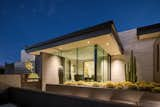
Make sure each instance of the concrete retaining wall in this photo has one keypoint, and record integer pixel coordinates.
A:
(138, 98)
(13, 80)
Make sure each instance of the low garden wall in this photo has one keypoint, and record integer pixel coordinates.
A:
(18, 80)
(13, 80)
(138, 98)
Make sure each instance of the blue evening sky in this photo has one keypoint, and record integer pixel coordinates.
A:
(24, 22)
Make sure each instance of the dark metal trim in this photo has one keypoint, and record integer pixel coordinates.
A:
(109, 66)
(148, 29)
(95, 62)
(158, 57)
(97, 30)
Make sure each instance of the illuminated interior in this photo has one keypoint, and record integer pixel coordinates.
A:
(88, 63)
(88, 59)
(107, 42)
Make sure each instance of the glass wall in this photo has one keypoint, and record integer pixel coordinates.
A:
(86, 63)
(103, 65)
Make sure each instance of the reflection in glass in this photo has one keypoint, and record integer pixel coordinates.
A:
(80, 64)
(103, 65)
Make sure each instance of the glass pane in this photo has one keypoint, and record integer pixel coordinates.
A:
(103, 70)
(86, 62)
(70, 64)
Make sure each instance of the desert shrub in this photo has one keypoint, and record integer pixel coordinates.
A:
(109, 84)
(69, 83)
(156, 84)
(156, 89)
(95, 84)
(145, 86)
(129, 85)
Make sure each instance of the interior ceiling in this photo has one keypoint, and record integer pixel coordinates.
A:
(85, 53)
(107, 42)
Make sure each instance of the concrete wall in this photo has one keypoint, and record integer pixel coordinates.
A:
(118, 68)
(143, 50)
(50, 67)
(11, 80)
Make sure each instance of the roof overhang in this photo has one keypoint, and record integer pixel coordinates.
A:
(148, 32)
(103, 34)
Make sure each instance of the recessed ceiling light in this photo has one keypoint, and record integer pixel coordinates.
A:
(88, 42)
(107, 44)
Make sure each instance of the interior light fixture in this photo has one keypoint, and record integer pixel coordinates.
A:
(88, 42)
(107, 44)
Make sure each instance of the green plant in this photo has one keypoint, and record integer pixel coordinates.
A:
(96, 84)
(131, 71)
(119, 85)
(129, 85)
(156, 89)
(145, 86)
(109, 84)
(141, 85)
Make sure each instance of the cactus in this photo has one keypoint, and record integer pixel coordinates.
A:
(130, 72)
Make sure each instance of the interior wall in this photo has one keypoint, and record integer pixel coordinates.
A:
(50, 68)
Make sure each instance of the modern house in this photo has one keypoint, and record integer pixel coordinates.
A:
(99, 53)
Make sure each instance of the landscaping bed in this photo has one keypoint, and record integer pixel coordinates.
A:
(139, 86)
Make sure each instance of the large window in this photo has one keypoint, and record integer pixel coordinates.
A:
(103, 65)
(89, 63)
(86, 63)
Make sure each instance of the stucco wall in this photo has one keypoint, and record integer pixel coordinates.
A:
(50, 66)
(118, 68)
(13, 80)
(143, 50)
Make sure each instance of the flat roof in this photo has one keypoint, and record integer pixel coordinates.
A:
(147, 31)
(93, 31)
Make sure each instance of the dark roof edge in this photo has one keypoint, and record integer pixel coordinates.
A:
(148, 29)
(116, 36)
(106, 27)
(73, 34)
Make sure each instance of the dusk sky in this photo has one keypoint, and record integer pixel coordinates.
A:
(25, 22)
